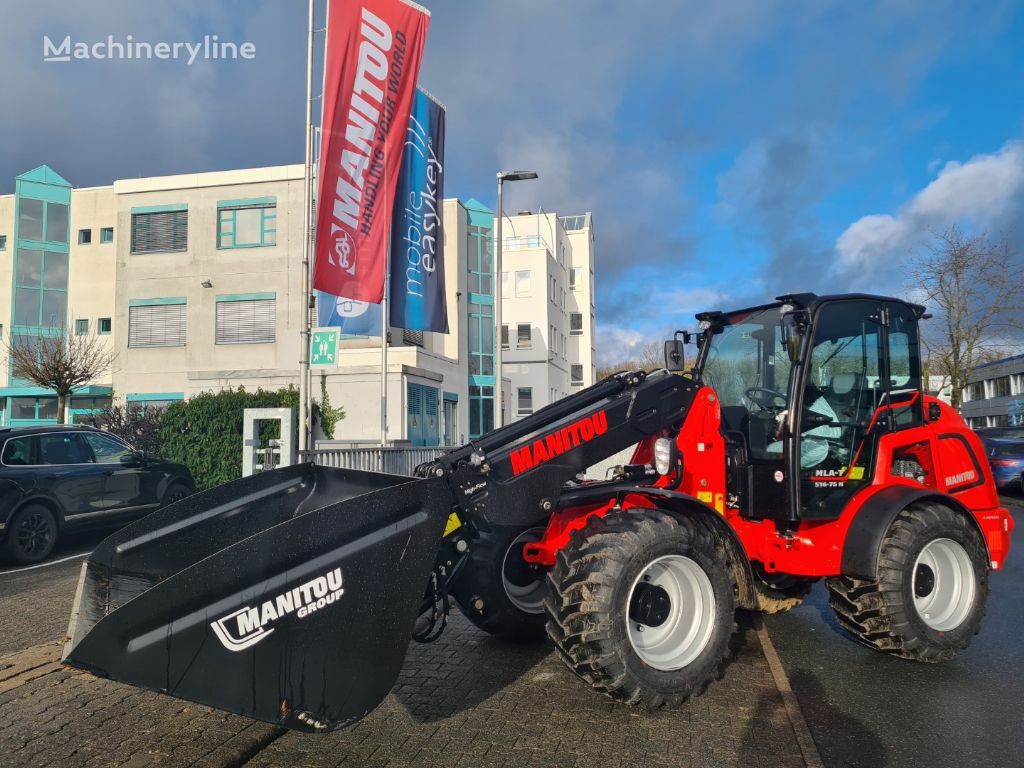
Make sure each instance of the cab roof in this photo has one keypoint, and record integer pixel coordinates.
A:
(811, 301)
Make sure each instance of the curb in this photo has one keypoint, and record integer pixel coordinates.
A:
(809, 750)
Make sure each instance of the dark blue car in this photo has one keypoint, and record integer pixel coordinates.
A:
(57, 478)
(1006, 456)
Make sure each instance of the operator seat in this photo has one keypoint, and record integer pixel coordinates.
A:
(846, 396)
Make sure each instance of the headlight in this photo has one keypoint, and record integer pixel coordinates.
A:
(664, 455)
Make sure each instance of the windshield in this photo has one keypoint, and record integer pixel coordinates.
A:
(746, 354)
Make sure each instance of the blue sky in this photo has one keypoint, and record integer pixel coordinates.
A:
(729, 151)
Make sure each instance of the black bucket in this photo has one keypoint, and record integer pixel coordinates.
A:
(288, 597)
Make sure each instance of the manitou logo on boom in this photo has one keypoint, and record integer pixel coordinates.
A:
(247, 626)
(557, 443)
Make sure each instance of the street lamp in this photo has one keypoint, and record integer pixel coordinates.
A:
(503, 176)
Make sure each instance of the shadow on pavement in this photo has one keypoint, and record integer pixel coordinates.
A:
(859, 747)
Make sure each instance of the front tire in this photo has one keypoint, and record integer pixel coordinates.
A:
(641, 606)
(500, 592)
(929, 598)
(31, 535)
(175, 492)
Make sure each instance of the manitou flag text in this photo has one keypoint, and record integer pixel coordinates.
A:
(372, 61)
(417, 245)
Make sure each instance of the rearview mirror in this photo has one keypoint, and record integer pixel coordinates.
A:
(674, 357)
(791, 336)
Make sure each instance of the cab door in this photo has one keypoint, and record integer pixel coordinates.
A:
(845, 383)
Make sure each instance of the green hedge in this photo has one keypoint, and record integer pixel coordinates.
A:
(205, 432)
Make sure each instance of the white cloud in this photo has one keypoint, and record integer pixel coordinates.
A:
(983, 193)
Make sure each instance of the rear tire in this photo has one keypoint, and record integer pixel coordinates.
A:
(641, 606)
(31, 535)
(499, 592)
(929, 598)
(778, 592)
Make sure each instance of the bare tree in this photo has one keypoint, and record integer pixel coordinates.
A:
(970, 286)
(61, 362)
(650, 357)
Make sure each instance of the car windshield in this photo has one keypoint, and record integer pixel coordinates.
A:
(747, 354)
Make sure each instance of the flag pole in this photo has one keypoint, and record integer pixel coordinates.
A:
(307, 210)
(384, 350)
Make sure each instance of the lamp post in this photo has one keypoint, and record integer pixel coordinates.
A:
(503, 176)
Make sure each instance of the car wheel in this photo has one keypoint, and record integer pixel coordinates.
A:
(31, 535)
(176, 492)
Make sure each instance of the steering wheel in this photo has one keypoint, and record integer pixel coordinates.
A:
(765, 398)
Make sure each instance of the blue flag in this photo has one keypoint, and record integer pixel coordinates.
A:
(417, 243)
(354, 318)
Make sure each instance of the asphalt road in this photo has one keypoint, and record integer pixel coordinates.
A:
(869, 710)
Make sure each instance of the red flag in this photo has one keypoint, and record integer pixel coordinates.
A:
(373, 57)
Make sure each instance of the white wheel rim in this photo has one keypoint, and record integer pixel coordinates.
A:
(527, 597)
(686, 630)
(943, 585)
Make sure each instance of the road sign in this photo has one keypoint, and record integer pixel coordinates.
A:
(324, 347)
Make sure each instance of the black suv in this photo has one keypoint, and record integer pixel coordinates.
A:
(59, 478)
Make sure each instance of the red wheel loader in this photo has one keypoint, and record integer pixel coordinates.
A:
(800, 446)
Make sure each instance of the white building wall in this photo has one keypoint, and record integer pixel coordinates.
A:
(540, 245)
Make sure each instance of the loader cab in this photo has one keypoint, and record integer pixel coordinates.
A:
(806, 387)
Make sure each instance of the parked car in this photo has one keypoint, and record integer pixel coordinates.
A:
(60, 478)
(1006, 456)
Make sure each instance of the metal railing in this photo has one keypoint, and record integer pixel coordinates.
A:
(394, 461)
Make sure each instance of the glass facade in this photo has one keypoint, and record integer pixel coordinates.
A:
(480, 318)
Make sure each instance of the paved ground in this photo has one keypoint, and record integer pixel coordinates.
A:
(467, 700)
(867, 710)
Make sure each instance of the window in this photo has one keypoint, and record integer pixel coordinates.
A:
(247, 224)
(61, 448)
(156, 323)
(577, 375)
(1001, 386)
(975, 391)
(81, 327)
(103, 326)
(481, 339)
(107, 450)
(524, 405)
(160, 231)
(481, 410)
(32, 223)
(107, 235)
(3, 242)
(575, 323)
(481, 268)
(246, 320)
(18, 451)
(41, 281)
(523, 339)
(56, 222)
(553, 339)
(576, 279)
(84, 236)
(523, 283)
(504, 336)
(563, 345)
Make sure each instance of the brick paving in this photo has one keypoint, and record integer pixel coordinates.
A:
(467, 700)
